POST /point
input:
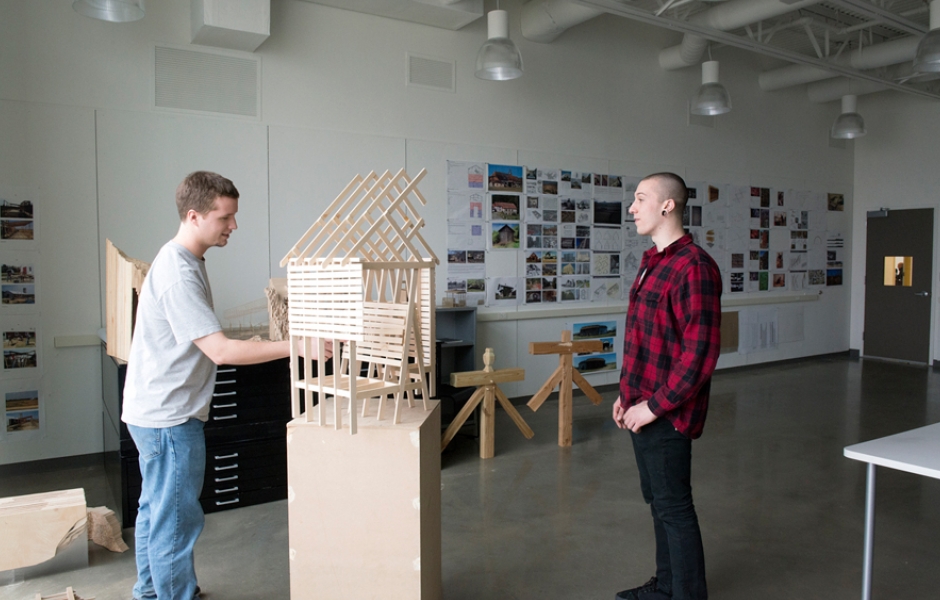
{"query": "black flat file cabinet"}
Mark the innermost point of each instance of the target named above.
(246, 446)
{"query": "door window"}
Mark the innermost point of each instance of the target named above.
(899, 271)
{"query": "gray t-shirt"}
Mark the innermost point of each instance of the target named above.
(169, 379)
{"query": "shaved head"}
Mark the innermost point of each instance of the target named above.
(672, 186)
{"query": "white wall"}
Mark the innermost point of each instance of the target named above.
(81, 133)
(49, 151)
(896, 167)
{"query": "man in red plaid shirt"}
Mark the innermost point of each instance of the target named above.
(670, 347)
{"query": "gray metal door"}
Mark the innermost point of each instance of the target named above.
(898, 279)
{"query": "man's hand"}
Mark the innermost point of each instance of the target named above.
(637, 416)
(619, 412)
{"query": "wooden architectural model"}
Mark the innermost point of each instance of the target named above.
(124, 278)
(488, 393)
(564, 377)
(363, 277)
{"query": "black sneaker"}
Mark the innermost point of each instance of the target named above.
(654, 595)
(634, 593)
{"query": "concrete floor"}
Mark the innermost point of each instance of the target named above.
(781, 508)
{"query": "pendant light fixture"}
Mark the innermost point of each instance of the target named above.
(498, 59)
(927, 57)
(712, 98)
(115, 11)
(850, 124)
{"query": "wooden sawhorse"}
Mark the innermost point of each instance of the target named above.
(564, 377)
(487, 392)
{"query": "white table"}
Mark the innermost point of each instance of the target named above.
(914, 451)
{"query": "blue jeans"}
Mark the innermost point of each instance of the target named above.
(664, 458)
(170, 518)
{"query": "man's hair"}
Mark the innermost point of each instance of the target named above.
(199, 190)
(673, 187)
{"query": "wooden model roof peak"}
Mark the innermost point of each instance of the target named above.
(372, 220)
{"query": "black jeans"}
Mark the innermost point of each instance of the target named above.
(664, 458)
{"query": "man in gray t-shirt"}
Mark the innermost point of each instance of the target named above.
(177, 344)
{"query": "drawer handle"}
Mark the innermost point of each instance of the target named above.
(223, 479)
(232, 455)
(235, 501)
(224, 381)
(227, 467)
(221, 394)
(225, 418)
(230, 405)
(231, 489)
(231, 370)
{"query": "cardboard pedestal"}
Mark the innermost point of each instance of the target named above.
(365, 509)
(42, 534)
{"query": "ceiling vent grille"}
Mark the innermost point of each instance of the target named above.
(207, 82)
(431, 73)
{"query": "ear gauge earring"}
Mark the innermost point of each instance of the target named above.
(664, 213)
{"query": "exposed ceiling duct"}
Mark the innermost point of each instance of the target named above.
(857, 39)
(872, 57)
(834, 89)
(545, 20)
(724, 17)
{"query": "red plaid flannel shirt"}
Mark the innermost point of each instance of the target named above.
(672, 336)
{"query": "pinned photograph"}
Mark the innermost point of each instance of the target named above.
(505, 235)
(17, 274)
(18, 294)
(19, 350)
(608, 213)
(13, 229)
(505, 291)
(22, 411)
(594, 330)
(504, 178)
(596, 363)
(836, 202)
(504, 207)
(16, 210)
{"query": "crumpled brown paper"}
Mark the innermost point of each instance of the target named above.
(104, 529)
